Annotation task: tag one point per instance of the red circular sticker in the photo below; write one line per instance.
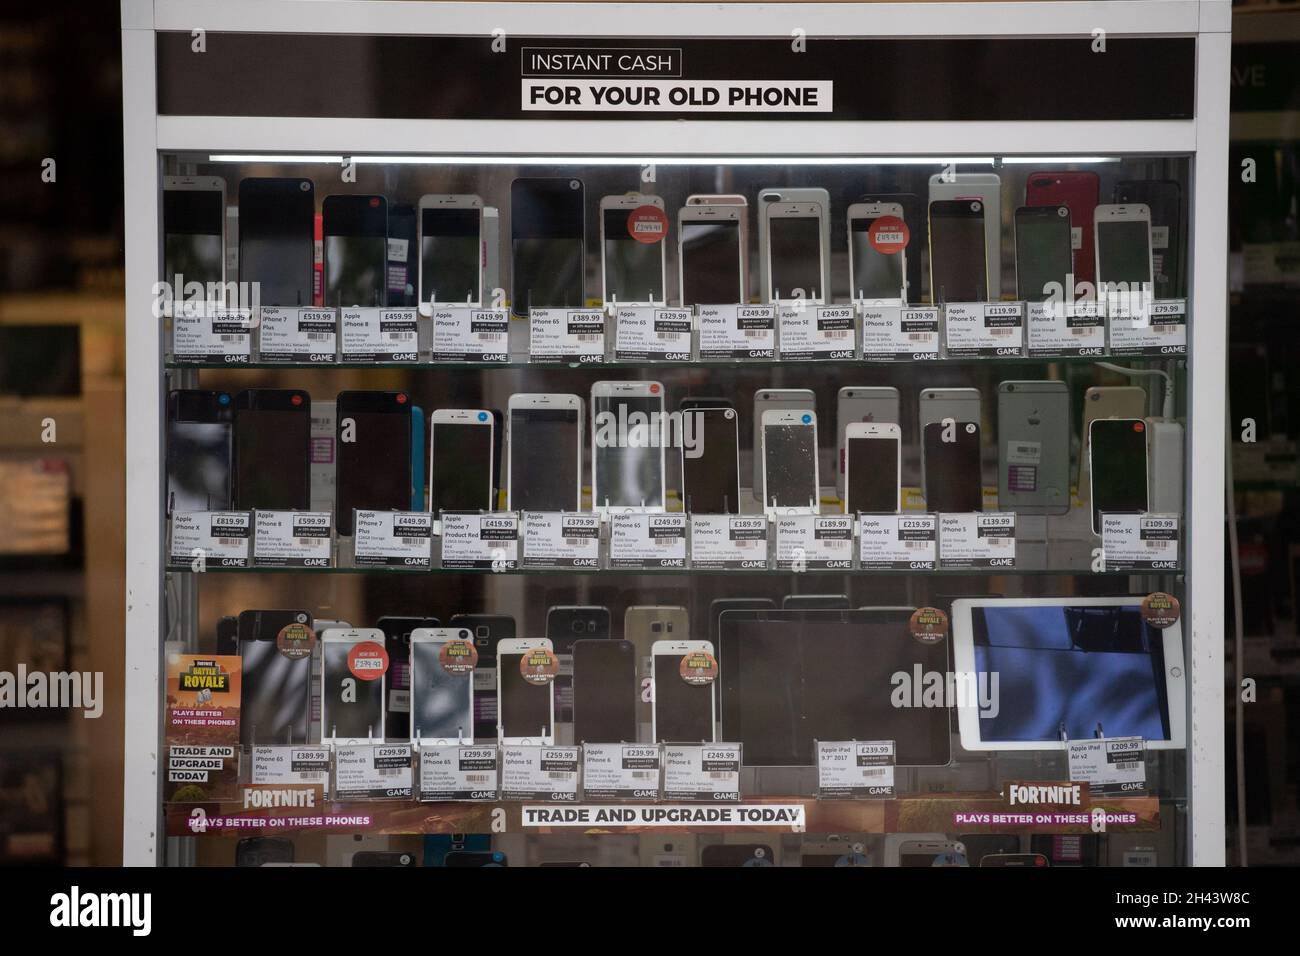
(458, 657)
(888, 235)
(295, 641)
(698, 668)
(539, 665)
(1160, 610)
(648, 224)
(929, 625)
(367, 660)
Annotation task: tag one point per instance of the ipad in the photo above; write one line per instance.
(1068, 666)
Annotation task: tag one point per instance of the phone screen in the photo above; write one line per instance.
(546, 231)
(789, 464)
(461, 477)
(1124, 250)
(524, 707)
(272, 451)
(354, 270)
(440, 702)
(634, 270)
(629, 457)
(1119, 466)
(875, 274)
(351, 708)
(711, 469)
(544, 459)
(276, 695)
(1043, 254)
(794, 245)
(711, 262)
(914, 857)
(198, 466)
(277, 239)
(604, 692)
(450, 254)
(683, 712)
(958, 269)
(952, 468)
(374, 469)
(193, 220)
(873, 475)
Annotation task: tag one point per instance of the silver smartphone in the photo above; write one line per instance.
(875, 405)
(713, 250)
(939, 404)
(1034, 447)
(791, 399)
(794, 253)
(627, 447)
(632, 257)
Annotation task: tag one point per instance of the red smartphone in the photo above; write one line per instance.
(1080, 191)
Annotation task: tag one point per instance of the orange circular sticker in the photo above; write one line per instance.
(367, 660)
(648, 224)
(929, 625)
(539, 665)
(295, 641)
(1160, 610)
(698, 668)
(458, 657)
(888, 235)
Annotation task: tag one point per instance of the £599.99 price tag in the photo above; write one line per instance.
(470, 333)
(652, 333)
(855, 768)
(292, 539)
(737, 331)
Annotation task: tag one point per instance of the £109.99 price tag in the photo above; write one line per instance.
(1139, 542)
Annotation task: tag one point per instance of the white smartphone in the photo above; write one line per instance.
(351, 707)
(194, 232)
(986, 187)
(876, 277)
(873, 470)
(712, 251)
(858, 404)
(767, 199)
(794, 250)
(791, 399)
(632, 261)
(790, 474)
(627, 446)
(925, 851)
(680, 712)
(450, 233)
(543, 452)
(1106, 401)
(1122, 235)
(441, 702)
(525, 710)
(461, 449)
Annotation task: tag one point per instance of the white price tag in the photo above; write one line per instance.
(1161, 331)
(539, 773)
(702, 772)
(975, 329)
(737, 331)
(489, 541)
(297, 335)
(559, 539)
(469, 333)
(808, 542)
(620, 771)
(1140, 542)
(379, 335)
(977, 540)
(458, 772)
(217, 538)
(901, 542)
(1109, 765)
(292, 539)
(817, 332)
(398, 539)
(855, 768)
(206, 332)
(648, 540)
(651, 333)
(373, 771)
(1056, 328)
(728, 542)
(892, 333)
(566, 335)
(291, 765)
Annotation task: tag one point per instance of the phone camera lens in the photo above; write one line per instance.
(1011, 388)
(481, 630)
(576, 627)
(975, 207)
(464, 635)
(575, 184)
(305, 185)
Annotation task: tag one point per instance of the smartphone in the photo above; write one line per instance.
(272, 450)
(712, 242)
(397, 642)
(952, 467)
(719, 606)
(914, 214)
(277, 239)
(793, 251)
(374, 455)
(986, 188)
(878, 405)
(604, 692)
(475, 858)
(526, 710)
(917, 853)
(790, 475)
(199, 450)
(737, 854)
(784, 399)
(711, 459)
(1043, 254)
(632, 259)
(680, 712)
(451, 249)
(1164, 198)
(461, 443)
(351, 709)
(941, 404)
(876, 276)
(544, 452)
(642, 626)
(1107, 401)
(227, 634)
(1014, 859)
(564, 627)
(815, 602)
(1117, 465)
(442, 702)
(1079, 192)
(370, 858)
(1034, 447)
(488, 630)
(1123, 235)
(355, 250)
(402, 273)
(275, 688)
(627, 448)
(873, 465)
(194, 233)
(547, 245)
(958, 264)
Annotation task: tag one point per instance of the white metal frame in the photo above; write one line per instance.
(1205, 138)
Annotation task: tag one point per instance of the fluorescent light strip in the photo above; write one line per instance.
(1071, 160)
(449, 160)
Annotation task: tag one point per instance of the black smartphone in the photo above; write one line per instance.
(277, 227)
(451, 248)
(354, 230)
(958, 267)
(194, 231)
(275, 699)
(806, 602)
(710, 456)
(547, 243)
(383, 858)
(1044, 255)
(564, 627)
(605, 692)
(403, 256)
(259, 851)
(397, 644)
(719, 606)
(487, 629)
(472, 858)
(373, 447)
(199, 426)
(1117, 466)
(272, 449)
(952, 468)
(1164, 197)
(228, 634)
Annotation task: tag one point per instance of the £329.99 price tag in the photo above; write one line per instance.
(652, 333)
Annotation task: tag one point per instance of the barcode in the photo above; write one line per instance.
(491, 336)
(998, 330)
(1157, 544)
(574, 542)
(319, 336)
(588, 337)
(230, 338)
(916, 545)
(559, 774)
(665, 542)
(918, 336)
(756, 333)
(397, 336)
(745, 543)
(230, 542)
(1126, 765)
(644, 774)
(312, 777)
(838, 334)
(720, 774)
(998, 542)
(389, 771)
(478, 778)
(869, 772)
(1079, 330)
(666, 336)
(414, 542)
(307, 542)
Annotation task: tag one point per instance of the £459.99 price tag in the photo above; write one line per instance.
(379, 335)
(651, 333)
(817, 332)
(892, 333)
(901, 542)
(1109, 765)
(977, 540)
(292, 539)
(221, 539)
(373, 771)
(393, 539)
(469, 333)
(487, 541)
(855, 768)
(649, 540)
(561, 539)
(737, 331)
(566, 335)
(702, 772)
(728, 542)
(1140, 542)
